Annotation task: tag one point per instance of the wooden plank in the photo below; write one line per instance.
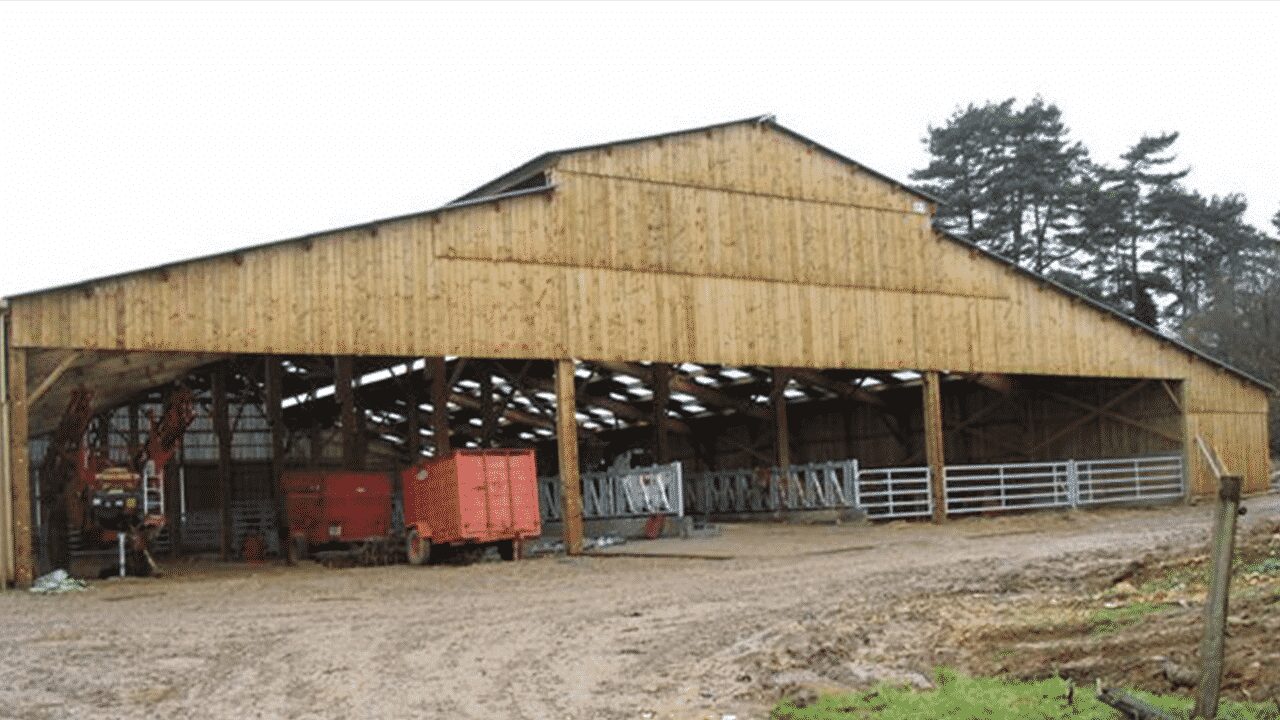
(222, 430)
(567, 446)
(934, 441)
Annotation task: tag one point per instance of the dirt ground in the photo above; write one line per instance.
(698, 628)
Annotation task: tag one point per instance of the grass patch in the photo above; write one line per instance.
(958, 697)
(1108, 620)
(1266, 566)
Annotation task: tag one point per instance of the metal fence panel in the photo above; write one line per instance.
(890, 493)
(1064, 483)
(1131, 479)
(638, 492)
(815, 486)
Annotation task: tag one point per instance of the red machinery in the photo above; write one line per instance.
(468, 499)
(124, 503)
(340, 512)
(129, 499)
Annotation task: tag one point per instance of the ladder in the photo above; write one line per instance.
(152, 490)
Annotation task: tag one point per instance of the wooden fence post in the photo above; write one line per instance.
(1213, 645)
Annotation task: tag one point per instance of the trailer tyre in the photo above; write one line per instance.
(417, 548)
(507, 549)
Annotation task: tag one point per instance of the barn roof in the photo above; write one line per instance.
(540, 163)
(524, 180)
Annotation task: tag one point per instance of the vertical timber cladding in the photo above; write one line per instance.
(742, 245)
(16, 455)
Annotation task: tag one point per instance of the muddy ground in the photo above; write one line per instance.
(698, 628)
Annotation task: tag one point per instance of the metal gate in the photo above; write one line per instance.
(638, 492)
(1064, 483)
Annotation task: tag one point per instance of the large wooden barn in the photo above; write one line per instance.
(734, 296)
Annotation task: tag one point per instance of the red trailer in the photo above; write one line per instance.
(471, 497)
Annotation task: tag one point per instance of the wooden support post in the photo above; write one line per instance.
(661, 420)
(413, 438)
(19, 475)
(782, 435)
(934, 443)
(222, 430)
(344, 391)
(1213, 645)
(439, 405)
(316, 441)
(273, 381)
(488, 418)
(567, 443)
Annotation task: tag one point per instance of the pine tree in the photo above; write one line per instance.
(1120, 218)
(1011, 180)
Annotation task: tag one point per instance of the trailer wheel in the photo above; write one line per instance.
(297, 549)
(417, 548)
(507, 549)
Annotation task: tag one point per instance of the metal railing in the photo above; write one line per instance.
(638, 492)
(1065, 483)
(889, 493)
(882, 493)
(815, 486)
(1130, 479)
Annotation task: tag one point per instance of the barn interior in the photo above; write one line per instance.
(256, 416)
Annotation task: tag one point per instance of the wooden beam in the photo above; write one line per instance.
(1173, 396)
(681, 384)
(934, 443)
(488, 416)
(413, 439)
(661, 420)
(1107, 412)
(53, 377)
(965, 426)
(816, 379)
(222, 430)
(273, 381)
(998, 382)
(624, 410)
(567, 444)
(23, 543)
(781, 431)
(439, 405)
(1094, 411)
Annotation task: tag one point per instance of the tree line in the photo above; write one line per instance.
(1130, 233)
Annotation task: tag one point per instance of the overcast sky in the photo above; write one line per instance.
(136, 134)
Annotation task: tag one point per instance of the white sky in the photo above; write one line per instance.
(136, 134)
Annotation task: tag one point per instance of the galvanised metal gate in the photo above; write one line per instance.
(814, 486)
(882, 493)
(1065, 483)
(638, 492)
